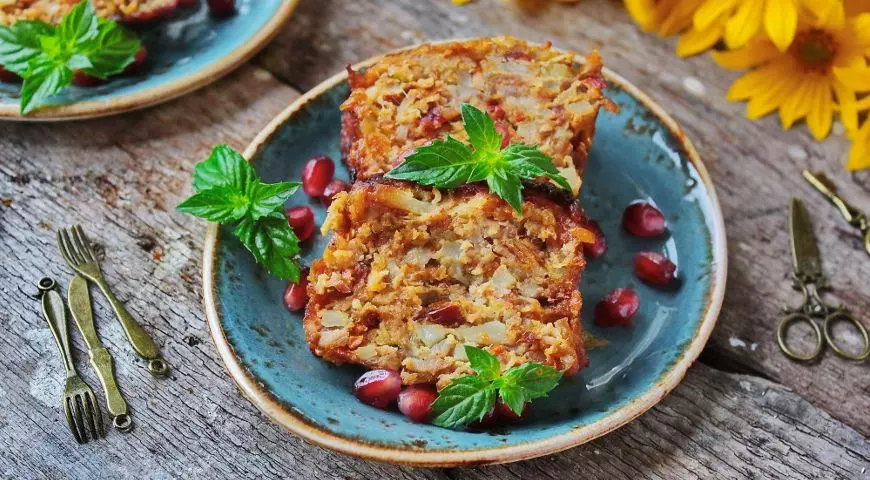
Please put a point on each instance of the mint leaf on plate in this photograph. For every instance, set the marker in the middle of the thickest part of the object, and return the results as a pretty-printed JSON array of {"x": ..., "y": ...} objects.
[
  {"x": 273, "y": 243},
  {"x": 465, "y": 400},
  {"x": 222, "y": 204}
]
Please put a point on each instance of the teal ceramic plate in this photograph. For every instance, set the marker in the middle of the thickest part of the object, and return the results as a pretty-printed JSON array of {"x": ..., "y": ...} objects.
[
  {"x": 186, "y": 51},
  {"x": 639, "y": 153}
]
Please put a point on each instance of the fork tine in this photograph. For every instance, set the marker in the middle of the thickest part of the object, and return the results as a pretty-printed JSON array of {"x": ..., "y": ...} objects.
[
  {"x": 99, "y": 414},
  {"x": 70, "y": 248},
  {"x": 63, "y": 250},
  {"x": 67, "y": 409},
  {"x": 79, "y": 415},
  {"x": 87, "y": 246},
  {"x": 81, "y": 249},
  {"x": 92, "y": 412}
]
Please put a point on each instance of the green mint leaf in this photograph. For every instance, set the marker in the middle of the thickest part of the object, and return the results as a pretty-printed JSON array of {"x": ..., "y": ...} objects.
[
  {"x": 266, "y": 198},
  {"x": 20, "y": 43},
  {"x": 273, "y": 243},
  {"x": 223, "y": 204},
  {"x": 484, "y": 363},
  {"x": 465, "y": 400},
  {"x": 444, "y": 164},
  {"x": 224, "y": 166},
  {"x": 43, "y": 79},
  {"x": 533, "y": 378},
  {"x": 513, "y": 397},
  {"x": 529, "y": 162},
  {"x": 508, "y": 186},
  {"x": 78, "y": 26},
  {"x": 480, "y": 129},
  {"x": 111, "y": 50}
]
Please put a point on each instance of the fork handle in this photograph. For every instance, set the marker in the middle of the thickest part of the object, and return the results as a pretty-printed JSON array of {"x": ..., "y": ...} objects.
[
  {"x": 143, "y": 344},
  {"x": 103, "y": 364},
  {"x": 54, "y": 311}
]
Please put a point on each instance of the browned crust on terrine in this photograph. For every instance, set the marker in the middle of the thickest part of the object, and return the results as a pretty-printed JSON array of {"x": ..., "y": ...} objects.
[
  {"x": 51, "y": 11},
  {"x": 537, "y": 95},
  {"x": 400, "y": 251}
]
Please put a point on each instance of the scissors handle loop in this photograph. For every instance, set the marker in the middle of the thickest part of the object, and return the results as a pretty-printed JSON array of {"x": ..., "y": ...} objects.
[
  {"x": 782, "y": 331},
  {"x": 843, "y": 316}
]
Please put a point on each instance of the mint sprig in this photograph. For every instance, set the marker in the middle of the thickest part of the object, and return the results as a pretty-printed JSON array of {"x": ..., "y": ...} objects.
[
  {"x": 228, "y": 191},
  {"x": 46, "y": 56},
  {"x": 449, "y": 163},
  {"x": 471, "y": 397}
]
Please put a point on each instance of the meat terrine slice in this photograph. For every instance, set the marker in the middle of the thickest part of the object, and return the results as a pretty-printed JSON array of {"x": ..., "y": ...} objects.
[
  {"x": 536, "y": 94},
  {"x": 52, "y": 11},
  {"x": 412, "y": 274}
]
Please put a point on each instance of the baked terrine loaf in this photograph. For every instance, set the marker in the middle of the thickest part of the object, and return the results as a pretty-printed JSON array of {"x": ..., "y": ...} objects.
[
  {"x": 536, "y": 94},
  {"x": 412, "y": 274},
  {"x": 51, "y": 11}
]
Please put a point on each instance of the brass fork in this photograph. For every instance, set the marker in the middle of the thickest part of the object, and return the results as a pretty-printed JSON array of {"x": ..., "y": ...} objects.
[
  {"x": 76, "y": 249},
  {"x": 79, "y": 403}
]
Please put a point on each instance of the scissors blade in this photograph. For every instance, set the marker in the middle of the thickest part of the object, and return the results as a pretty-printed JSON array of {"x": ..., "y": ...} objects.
[{"x": 804, "y": 247}]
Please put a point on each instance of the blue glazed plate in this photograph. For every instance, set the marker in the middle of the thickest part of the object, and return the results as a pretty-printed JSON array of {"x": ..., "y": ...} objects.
[
  {"x": 185, "y": 52},
  {"x": 639, "y": 153}
]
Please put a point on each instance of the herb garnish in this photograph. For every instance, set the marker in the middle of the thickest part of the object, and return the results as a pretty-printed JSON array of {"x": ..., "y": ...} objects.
[
  {"x": 229, "y": 191},
  {"x": 469, "y": 398},
  {"x": 450, "y": 163},
  {"x": 46, "y": 56}
]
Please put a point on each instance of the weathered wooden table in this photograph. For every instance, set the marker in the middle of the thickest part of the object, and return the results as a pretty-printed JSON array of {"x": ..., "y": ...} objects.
[{"x": 743, "y": 410}]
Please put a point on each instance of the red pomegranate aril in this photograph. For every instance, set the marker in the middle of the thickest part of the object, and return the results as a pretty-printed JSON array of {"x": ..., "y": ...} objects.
[
  {"x": 301, "y": 220},
  {"x": 378, "y": 388},
  {"x": 7, "y": 76},
  {"x": 448, "y": 315},
  {"x": 595, "y": 250},
  {"x": 642, "y": 219},
  {"x": 487, "y": 421},
  {"x": 505, "y": 414},
  {"x": 222, "y": 8},
  {"x": 333, "y": 189},
  {"x": 317, "y": 174},
  {"x": 296, "y": 294},
  {"x": 138, "y": 60},
  {"x": 654, "y": 268},
  {"x": 416, "y": 402},
  {"x": 617, "y": 308},
  {"x": 82, "y": 79}
]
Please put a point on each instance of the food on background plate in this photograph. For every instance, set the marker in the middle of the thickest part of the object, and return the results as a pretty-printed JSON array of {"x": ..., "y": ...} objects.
[
  {"x": 537, "y": 95},
  {"x": 413, "y": 274},
  {"x": 52, "y": 11}
]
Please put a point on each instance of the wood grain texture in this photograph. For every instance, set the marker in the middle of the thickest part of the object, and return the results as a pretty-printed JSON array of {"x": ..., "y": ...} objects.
[
  {"x": 755, "y": 165},
  {"x": 122, "y": 177}
]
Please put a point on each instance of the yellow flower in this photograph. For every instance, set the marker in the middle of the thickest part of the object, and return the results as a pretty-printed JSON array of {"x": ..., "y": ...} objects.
[
  {"x": 859, "y": 156},
  {"x": 663, "y": 17},
  {"x": 825, "y": 60}
]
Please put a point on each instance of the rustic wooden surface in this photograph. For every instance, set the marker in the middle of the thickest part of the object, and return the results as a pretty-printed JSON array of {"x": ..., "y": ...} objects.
[{"x": 742, "y": 411}]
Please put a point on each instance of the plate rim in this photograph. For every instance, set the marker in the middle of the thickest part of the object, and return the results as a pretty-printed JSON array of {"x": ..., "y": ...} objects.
[
  {"x": 163, "y": 92},
  {"x": 295, "y": 423}
]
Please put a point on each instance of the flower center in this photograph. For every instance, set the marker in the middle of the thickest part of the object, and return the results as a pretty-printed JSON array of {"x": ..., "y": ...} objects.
[{"x": 815, "y": 49}]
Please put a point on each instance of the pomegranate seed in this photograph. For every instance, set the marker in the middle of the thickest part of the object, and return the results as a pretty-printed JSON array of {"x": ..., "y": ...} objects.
[
  {"x": 82, "y": 79},
  {"x": 378, "y": 388},
  {"x": 448, "y": 315},
  {"x": 505, "y": 414},
  {"x": 643, "y": 220},
  {"x": 332, "y": 190},
  {"x": 416, "y": 402},
  {"x": 654, "y": 268},
  {"x": 317, "y": 174},
  {"x": 222, "y": 8},
  {"x": 296, "y": 294},
  {"x": 617, "y": 308},
  {"x": 7, "y": 76},
  {"x": 597, "y": 249},
  {"x": 301, "y": 220},
  {"x": 138, "y": 60},
  {"x": 487, "y": 421}
]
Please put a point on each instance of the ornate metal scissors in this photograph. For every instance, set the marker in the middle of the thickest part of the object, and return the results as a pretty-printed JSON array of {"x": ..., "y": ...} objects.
[
  {"x": 809, "y": 279},
  {"x": 855, "y": 217}
]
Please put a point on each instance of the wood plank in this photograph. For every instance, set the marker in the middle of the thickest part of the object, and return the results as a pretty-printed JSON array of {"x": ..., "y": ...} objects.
[{"x": 755, "y": 165}]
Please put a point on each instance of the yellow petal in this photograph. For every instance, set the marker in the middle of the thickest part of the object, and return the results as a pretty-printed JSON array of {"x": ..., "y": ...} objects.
[
  {"x": 643, "y": 12},
  {"x": 696, "y": 41},
  {"x": 744, "y": 24},
  {"x": 857, "y": 78},
  {"x": 821, "y": 115},
  {"x": 863, "y": 104},
  {"x": 860, "y": 25},
  {"x": 770, "y": 99},
  {"x": 827, "y": 12},
  {"x": 796, "y": 106},
  {"x": 854, "y": 7},
  {"x": 710, "y": 11},
  {"x": 679, "y": 16},
  {"x": 755, "y": 82},
  {"x": 846, "y": 102},
  {"x": 780, "y": 22},
  {"x": 859, "y": 156},
  {"x": 758, "y": 51}
]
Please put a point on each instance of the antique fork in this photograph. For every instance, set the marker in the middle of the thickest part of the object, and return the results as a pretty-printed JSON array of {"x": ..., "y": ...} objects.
[
  {"x": 79, "y": 403},
  {"x": 76, "y": 249}
]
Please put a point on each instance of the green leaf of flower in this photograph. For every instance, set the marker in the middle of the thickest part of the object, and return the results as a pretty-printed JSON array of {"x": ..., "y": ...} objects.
[
  {"x": 222, "y": 204},
  {"x": 465, "y": 400},
  {"x": 484, "y": 363},
  {"x": 273, "y": 243},
  {"x": 224, "y": 166}
]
